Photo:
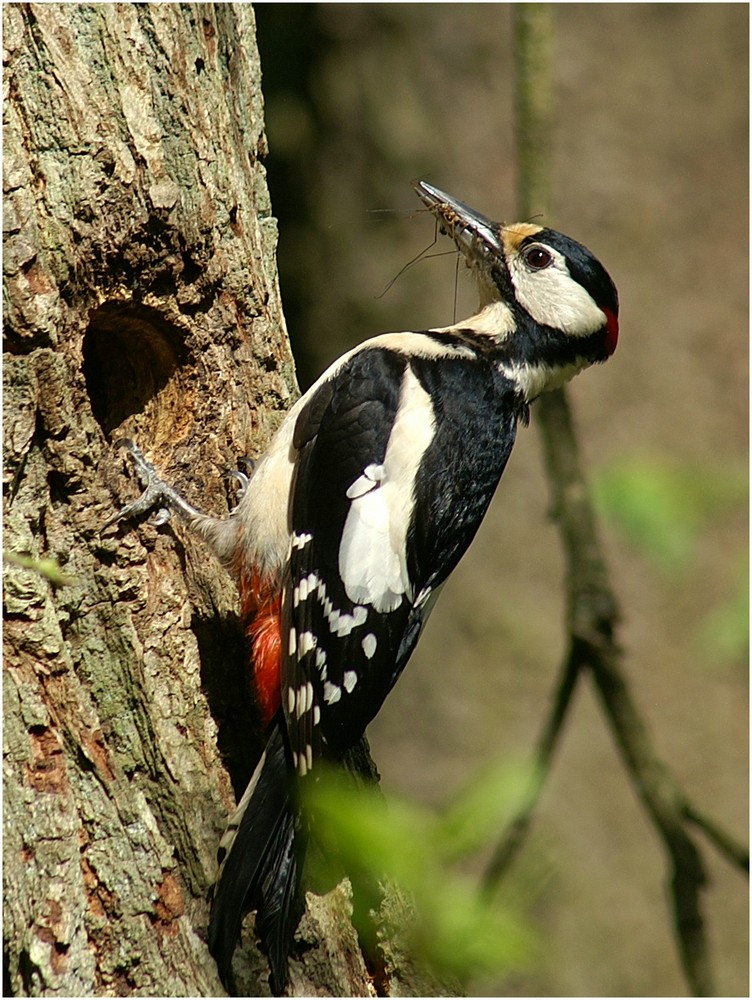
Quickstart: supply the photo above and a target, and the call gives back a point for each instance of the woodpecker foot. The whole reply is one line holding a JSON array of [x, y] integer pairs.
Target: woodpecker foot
[[243, 477], [157, 496]]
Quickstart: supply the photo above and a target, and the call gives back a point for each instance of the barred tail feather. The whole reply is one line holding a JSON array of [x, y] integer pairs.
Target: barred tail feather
[[260, 867]]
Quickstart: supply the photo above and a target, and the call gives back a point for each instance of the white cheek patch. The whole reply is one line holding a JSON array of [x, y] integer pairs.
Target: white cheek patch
[[553, 298], [374, 541]]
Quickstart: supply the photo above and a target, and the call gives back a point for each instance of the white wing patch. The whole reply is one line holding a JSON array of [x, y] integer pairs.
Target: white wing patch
[[372, 476], [340, 623], [372, 550], [369, 643], [332, 693]]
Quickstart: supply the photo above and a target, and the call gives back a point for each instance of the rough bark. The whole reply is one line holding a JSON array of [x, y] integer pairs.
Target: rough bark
[[141, 299]]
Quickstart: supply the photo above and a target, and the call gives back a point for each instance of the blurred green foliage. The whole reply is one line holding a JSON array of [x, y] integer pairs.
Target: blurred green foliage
[[47, 568], [664, 509], [725, 630], [459, 930]]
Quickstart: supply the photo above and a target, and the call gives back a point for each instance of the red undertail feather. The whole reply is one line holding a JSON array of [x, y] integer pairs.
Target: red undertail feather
[[262, 609]]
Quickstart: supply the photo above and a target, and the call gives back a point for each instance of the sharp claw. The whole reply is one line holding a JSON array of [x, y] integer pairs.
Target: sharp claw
[[243, 477], [157, 495], [240, 476]]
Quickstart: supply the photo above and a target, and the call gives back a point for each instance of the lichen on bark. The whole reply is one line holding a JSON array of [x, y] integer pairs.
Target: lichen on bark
[[141, 299]]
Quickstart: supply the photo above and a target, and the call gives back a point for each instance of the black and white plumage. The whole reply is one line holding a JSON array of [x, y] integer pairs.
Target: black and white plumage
[[385, 519], [366, 499]]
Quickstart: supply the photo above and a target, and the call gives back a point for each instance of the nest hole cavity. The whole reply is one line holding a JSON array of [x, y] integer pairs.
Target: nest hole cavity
[[131, 353]]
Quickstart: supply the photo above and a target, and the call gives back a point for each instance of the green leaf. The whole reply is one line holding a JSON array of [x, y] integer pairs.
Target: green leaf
[[459, 930]]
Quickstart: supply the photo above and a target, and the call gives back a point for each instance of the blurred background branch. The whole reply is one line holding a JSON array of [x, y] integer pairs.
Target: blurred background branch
[[593, 614]]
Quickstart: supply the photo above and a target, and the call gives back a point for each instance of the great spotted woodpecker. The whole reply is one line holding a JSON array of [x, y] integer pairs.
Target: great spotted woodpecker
[[351, 522]]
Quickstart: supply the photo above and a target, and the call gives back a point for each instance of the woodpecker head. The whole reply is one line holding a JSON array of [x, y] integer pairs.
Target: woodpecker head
[[555, 308]]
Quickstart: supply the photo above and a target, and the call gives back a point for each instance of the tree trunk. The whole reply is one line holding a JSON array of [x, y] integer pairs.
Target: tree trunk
[[141, 300]]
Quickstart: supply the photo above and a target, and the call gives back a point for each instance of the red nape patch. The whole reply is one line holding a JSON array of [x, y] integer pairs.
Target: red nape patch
[[262, 610], [612, 331]]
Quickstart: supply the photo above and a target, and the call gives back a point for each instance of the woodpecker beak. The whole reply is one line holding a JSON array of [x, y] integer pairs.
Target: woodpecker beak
[[474, 234]]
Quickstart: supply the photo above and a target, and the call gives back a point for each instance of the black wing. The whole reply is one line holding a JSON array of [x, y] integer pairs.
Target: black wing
[[398, 458]]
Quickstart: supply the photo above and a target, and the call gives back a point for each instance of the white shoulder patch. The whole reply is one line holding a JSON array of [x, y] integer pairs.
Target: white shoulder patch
[[372, 551]]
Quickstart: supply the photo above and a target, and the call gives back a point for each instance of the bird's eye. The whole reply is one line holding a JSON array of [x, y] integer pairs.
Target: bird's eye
[[537, 257]]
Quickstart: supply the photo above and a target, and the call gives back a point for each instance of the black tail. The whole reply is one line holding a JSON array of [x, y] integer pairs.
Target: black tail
[[260, 857]]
